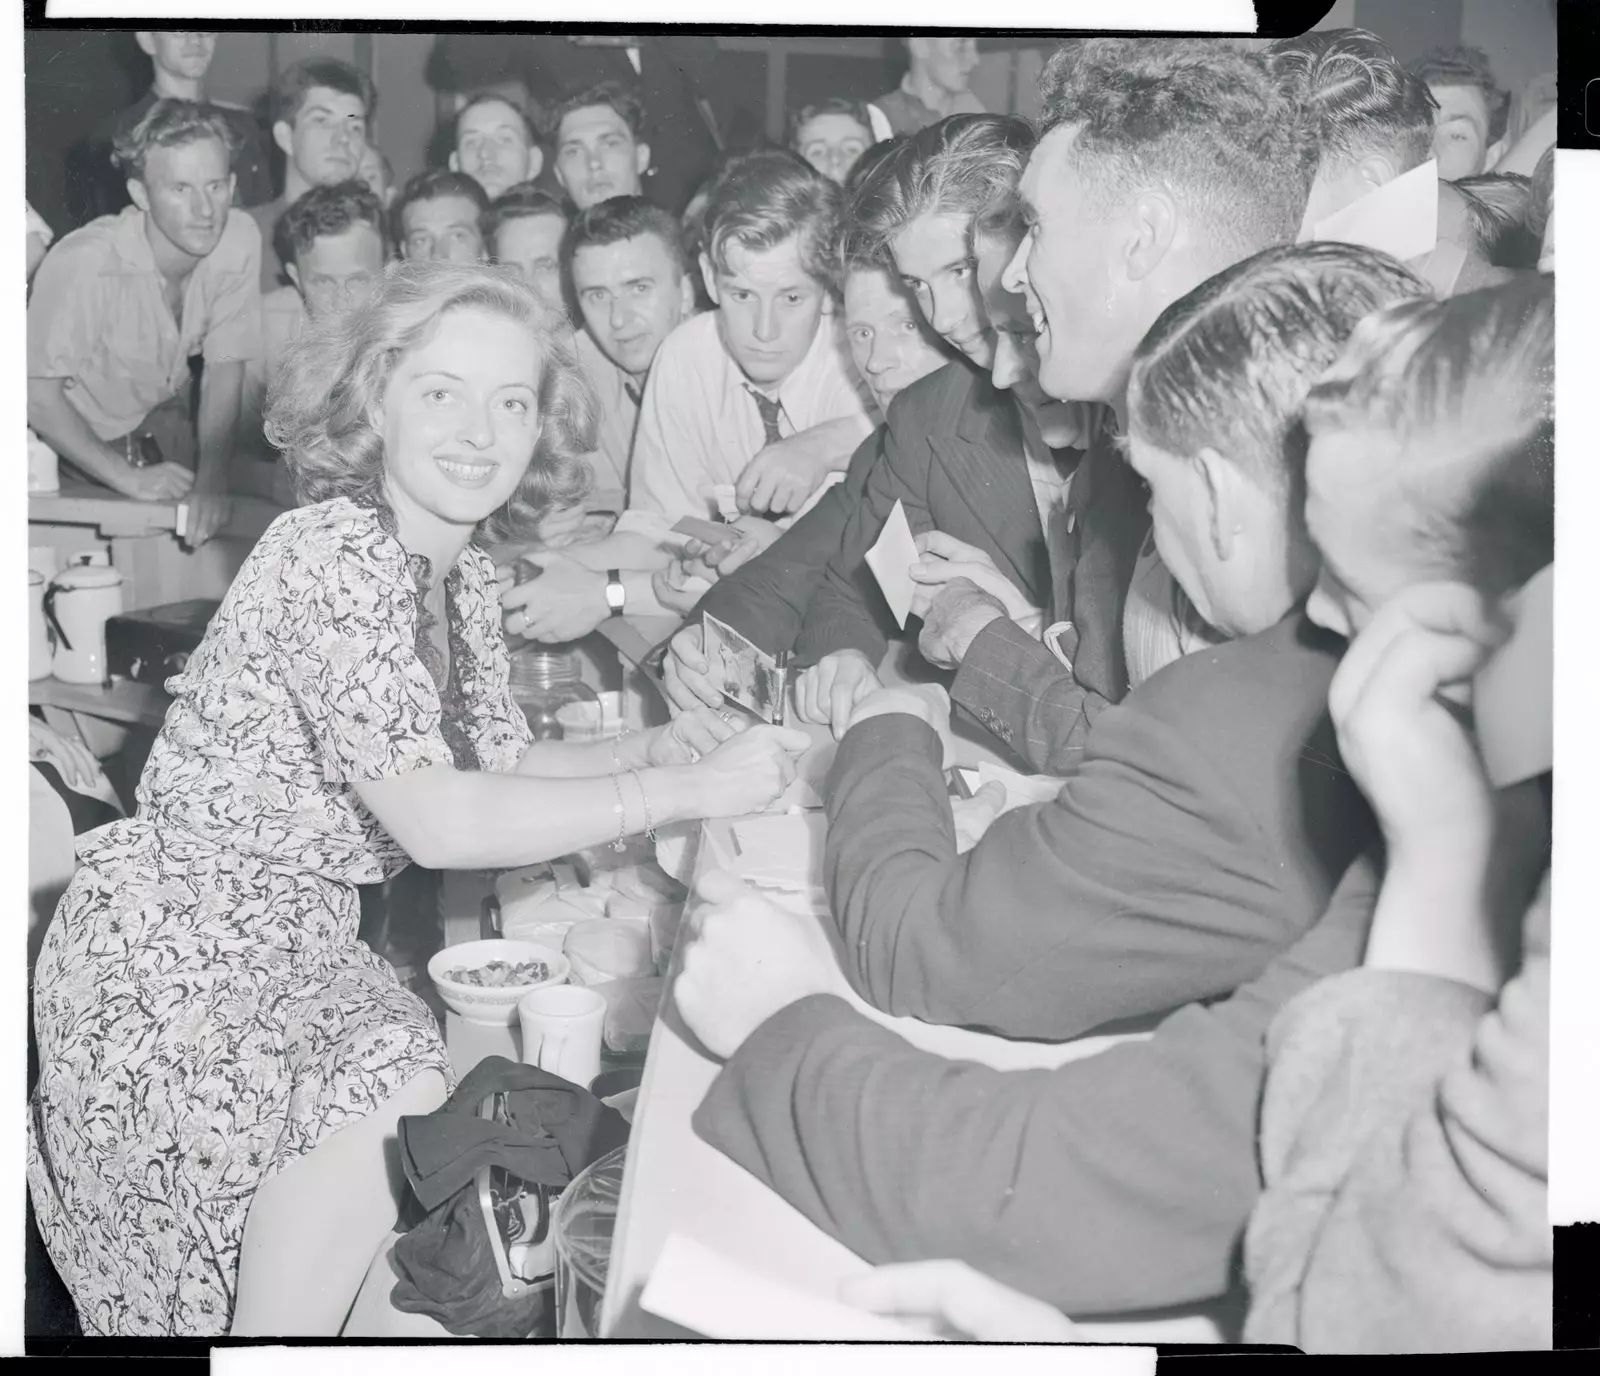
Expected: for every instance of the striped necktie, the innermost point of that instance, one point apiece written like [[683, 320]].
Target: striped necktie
[[771, 408]]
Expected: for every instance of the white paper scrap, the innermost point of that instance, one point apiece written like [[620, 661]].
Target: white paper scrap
[[713, 1295]]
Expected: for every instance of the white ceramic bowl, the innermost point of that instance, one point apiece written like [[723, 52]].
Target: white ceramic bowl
[[492, 1007]]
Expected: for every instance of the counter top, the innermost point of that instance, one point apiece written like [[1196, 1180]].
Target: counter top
[[85, 504], [675, 1182]]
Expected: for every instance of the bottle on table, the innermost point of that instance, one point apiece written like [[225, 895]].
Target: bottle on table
[[543, 682]]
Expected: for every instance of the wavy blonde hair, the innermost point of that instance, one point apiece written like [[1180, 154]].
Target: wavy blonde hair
[[322, 406]]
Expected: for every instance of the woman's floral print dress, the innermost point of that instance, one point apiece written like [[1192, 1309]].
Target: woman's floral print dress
[[204, 1012]]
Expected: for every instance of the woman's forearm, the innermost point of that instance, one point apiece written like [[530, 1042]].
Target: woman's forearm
[[585, 759], [449, 819]]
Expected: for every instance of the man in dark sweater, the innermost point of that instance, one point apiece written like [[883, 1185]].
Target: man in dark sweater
[[1188, 858], [179, 62]]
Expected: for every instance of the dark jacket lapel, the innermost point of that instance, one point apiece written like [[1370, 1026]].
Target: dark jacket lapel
[[984, 461]]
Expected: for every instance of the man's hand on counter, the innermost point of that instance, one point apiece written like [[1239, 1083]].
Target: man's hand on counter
[[208, 513], [747, 960], [162, 482]]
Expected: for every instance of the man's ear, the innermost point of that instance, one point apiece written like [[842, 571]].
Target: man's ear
[[1495, 152], [641, 158], [453, 162], [1376, 170], [535, 161], [1153, 227], [686, 296], [709, 277], [1219, 480], [283, 136], [293, 274], [561, 178], [146, 41], [137, 194]]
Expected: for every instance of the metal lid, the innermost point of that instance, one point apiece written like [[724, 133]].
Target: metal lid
[[87, 576]]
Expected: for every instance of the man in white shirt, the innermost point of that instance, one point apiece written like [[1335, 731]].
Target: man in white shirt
[[750, 410]]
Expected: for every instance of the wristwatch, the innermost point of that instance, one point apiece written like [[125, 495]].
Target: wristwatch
[[616, 594]]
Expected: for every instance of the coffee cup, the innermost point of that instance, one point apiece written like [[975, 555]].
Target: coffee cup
[[562, 1026]]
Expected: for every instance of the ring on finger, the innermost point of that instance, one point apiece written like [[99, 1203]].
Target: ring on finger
[[726, 716]]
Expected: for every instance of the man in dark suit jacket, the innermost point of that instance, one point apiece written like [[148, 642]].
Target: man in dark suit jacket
[[671, 72], [1188, 857]]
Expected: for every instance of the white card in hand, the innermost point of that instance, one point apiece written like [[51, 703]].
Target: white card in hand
[[890, 560], [717, 1297], [1022, 790]]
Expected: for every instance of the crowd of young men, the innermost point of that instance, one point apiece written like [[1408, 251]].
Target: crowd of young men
[[1078, 356]]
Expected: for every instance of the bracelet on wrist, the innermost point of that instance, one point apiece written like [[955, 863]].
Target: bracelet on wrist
[[649, 823], [621, 843]]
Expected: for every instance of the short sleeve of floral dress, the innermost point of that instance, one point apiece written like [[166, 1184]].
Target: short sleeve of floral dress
[[204, 1011]]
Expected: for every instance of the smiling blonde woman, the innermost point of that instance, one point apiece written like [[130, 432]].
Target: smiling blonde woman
[[222, 1063]]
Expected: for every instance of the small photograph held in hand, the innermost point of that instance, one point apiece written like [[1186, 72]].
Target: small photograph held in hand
[[746, 675]]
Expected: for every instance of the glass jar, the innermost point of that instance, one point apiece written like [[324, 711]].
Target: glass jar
[[543, 682]]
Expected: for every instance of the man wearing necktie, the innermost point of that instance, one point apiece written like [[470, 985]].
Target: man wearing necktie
[[749, 412]]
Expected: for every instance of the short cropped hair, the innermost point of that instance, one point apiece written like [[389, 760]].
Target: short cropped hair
[[434, 184], [524, 201], [494, 98], [1458, 398], [321, 405], [761, 200], [1229, 365], [833, 105], [617, 95], [1202, 119], [296, 81], [1359, 97], [1464, 66], [958, 166], [171, 123], [1500, 205], [326, 210], [622, 218]]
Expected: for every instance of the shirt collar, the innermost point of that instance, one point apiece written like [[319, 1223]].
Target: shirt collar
[[784, 392], [132, 245]]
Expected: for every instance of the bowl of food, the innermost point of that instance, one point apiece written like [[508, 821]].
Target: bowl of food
[[483, 980]]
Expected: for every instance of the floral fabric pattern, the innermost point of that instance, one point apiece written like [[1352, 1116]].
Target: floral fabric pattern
[[204, 1012]]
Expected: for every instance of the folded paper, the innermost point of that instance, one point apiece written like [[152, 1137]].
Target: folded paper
[[1400, 218], [890, 560], [717, 1297]]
